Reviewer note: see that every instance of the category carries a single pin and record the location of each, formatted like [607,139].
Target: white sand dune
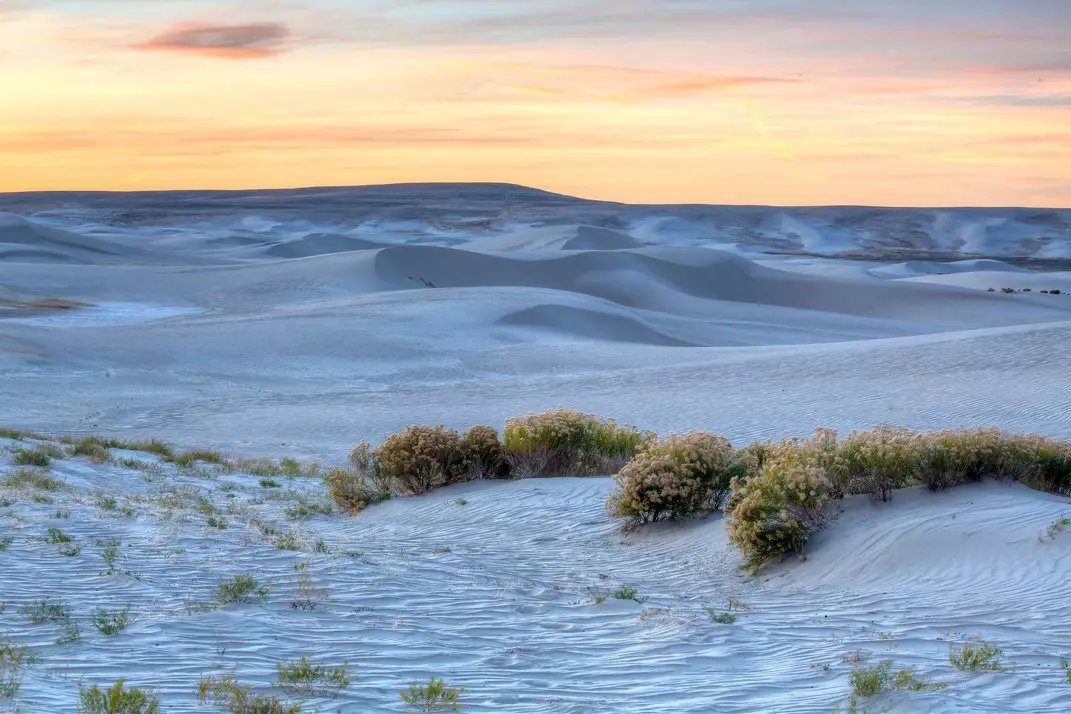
[300,322]
[508,612]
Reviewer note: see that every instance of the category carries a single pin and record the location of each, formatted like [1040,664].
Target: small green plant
[69,551]
[627,592]
[45,610]
[729,616]
[243,588]
[111,623]
[110,553]
[290,540]
[6,501]
[187,459]
[106,502]
[976,655]
[303,677]
[434,696]
[13,661]
[5,543]
[269,483]
[55,536]
[321,546]
[1057,527]
[71,633]
[871,681]
[303,510]
[460,502]
[116,700]
[238,698]
[442,550]
[218,522]
[883,635]
[62,515]
[43,499]
[308,595]
[1066,667]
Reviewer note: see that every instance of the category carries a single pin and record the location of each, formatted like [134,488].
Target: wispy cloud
[262,39]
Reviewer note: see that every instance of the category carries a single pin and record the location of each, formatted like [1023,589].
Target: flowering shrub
[422,458]
[675,477]
[776,511]
[483,453]
[570,443]
[876,462]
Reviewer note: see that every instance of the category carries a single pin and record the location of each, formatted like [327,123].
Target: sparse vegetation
[31,478]
[627,592]
[422,458]
[881,679]
[97,450]
[243,588]
[1057,527]
[111,623]
[13,662]
[55,536]
[734,606]
[976,655]
[5,543]
[570,443]
[303,677]
[116,700]
[308,595]
[434,696]
[40,456]
[228,693]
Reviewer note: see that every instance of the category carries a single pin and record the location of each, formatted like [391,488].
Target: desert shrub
[350,491]
[95,448]
[878,461]
[116,700]
[1066,667]
[189,458]
[976,655]
[111,623]
[675,477]
[775,512]
[1057,527]
[303,677]
[1054,292]
[952,457]
[570,443]
[152,446]
[1007,291]
[422,458]
[40,456]
[238,698]
[1040,462]
[483,453]
[433,696]
[243,588]
[365,463]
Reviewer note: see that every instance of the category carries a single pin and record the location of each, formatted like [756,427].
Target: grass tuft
[434,696]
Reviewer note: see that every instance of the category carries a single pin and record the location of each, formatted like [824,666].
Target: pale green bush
[570,443]
[878,461]
[434,696]
[775,512]
[675,477]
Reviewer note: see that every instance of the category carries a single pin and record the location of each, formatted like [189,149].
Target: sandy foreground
[298,323]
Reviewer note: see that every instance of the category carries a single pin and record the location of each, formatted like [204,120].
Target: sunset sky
[899,102]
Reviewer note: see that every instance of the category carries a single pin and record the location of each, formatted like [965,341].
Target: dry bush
[422,458]
[675,477]
[483,453]
[878,461]
[349,491]
[570,443]
[775,512]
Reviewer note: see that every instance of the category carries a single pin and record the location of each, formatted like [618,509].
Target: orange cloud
[264,39]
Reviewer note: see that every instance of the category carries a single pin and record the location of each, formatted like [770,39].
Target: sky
[785,102]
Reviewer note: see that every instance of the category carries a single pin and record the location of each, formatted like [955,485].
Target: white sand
[301,322]
[507,613]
